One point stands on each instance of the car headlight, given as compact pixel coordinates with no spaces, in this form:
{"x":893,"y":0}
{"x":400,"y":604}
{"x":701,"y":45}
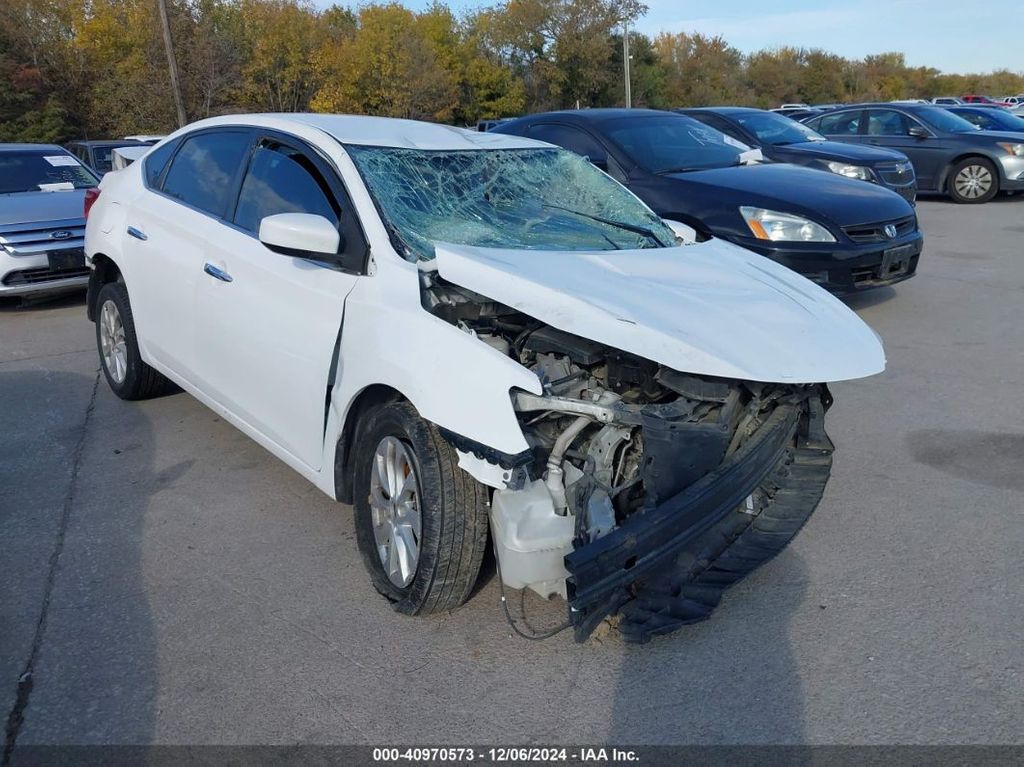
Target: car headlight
{"x":850,"y":171}
{"x":783,"y":227}
{"x":1014,"y":149}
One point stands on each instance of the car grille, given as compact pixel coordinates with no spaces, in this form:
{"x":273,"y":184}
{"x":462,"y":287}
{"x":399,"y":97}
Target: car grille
{"x":876,"y":232}
{"x":898,"y":174}
{"x":34,"y":239}
{"x":41,"y":274}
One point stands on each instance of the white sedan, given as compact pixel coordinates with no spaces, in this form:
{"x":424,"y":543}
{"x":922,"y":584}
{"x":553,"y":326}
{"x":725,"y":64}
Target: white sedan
{"x":461,"y":332}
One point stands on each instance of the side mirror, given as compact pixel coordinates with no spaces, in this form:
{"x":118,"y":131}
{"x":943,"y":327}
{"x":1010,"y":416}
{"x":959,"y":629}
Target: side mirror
{"x":918,"y":131}
{"x":300,"y":234}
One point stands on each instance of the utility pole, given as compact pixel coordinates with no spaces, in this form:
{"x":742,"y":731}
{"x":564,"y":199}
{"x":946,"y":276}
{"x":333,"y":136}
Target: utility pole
{"x":625,"y":61}
{"x":172,"y":64}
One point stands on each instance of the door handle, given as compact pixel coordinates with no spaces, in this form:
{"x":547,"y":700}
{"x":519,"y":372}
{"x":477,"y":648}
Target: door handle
{"x":138,"y":234}
{"x":219,"y":274}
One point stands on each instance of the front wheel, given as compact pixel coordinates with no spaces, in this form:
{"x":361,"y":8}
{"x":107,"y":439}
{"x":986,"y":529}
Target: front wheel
{"x":973,"y":180}
{"x":421,"y":521}
{"x":126,"y":372}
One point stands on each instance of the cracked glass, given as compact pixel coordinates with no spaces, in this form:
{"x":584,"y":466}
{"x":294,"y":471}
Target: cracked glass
{"x":525,"y":199}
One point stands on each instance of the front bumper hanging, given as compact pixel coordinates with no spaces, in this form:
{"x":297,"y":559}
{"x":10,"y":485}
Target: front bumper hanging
{"x":601,"y":572}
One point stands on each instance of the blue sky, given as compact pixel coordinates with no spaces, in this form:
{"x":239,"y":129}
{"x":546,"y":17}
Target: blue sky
{"x":950,"y":35}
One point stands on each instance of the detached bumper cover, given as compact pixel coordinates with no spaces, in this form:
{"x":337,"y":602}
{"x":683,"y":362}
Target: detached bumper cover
{"x":601,"y":572}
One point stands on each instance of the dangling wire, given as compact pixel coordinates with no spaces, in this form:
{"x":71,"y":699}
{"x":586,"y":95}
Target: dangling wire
{"x":545,"y":634}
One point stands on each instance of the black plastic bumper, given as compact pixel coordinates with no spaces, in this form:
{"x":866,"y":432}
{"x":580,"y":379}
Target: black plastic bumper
{"x":845,"y":268}
{"x":601,"y":572}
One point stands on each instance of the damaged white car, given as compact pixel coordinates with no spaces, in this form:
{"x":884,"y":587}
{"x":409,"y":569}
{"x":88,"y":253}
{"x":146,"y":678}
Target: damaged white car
{"x":460,"y":332}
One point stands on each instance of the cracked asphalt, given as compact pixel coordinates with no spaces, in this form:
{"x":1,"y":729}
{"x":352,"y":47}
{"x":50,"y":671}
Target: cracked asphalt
{"x":165,"y":580}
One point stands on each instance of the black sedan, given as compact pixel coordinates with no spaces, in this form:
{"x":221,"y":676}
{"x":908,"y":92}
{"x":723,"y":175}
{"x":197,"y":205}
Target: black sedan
{"x":949,"y":154}
{"x":784,"y":140}
{"x":843,"y":234}
{"x":989,"y":118}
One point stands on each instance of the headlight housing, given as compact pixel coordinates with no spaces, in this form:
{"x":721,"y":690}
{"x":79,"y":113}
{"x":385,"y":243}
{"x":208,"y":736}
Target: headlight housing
{"x":1015,"y":149}
{"x":850,"y":171}
{"x":783,"y":227}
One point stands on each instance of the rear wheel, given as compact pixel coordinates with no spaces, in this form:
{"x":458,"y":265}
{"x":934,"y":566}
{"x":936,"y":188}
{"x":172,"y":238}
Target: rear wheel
{"x":973,"y":180}
{"x":421,"y":521}
{"x":126,"y":373}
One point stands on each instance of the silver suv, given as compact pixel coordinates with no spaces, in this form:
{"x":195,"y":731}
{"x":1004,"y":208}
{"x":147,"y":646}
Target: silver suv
{"x":42,"y":225}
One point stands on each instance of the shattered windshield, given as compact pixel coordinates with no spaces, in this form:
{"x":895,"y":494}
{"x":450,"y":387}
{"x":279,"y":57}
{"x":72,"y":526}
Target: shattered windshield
{"x":526,"y":199}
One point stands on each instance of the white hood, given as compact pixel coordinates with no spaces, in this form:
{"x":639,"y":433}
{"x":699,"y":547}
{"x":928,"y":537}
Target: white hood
{"x":712,"y":309}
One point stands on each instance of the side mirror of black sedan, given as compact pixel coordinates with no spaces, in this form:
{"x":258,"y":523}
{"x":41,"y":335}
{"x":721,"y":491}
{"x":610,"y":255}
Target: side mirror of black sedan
{"x":918,"y":131}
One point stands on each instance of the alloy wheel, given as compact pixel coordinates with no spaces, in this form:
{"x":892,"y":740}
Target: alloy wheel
{"x":112,"y":344}
{"x":395,"y":510}
{"x":973,"y":181}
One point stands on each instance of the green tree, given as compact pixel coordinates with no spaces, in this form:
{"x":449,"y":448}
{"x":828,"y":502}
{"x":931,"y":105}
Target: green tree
{"x":700,"y":70}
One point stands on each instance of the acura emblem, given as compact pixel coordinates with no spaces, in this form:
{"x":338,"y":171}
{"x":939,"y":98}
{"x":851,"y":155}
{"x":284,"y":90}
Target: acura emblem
{"x":890,"y":231}
{"x":60,"y":234}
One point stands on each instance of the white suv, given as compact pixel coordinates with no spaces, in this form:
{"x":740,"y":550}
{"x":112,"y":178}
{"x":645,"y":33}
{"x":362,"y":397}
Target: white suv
{"x":456,"y":331}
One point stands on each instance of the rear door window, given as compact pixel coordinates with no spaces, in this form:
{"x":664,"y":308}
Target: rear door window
{"x":839,"y":124}
{"x":887,"y":122}
{"x":281,"y":179}
{"x":204,"y":171}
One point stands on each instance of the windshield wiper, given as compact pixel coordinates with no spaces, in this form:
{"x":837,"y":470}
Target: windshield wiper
{"x":681,"y":169}
{"x":636,"y":229}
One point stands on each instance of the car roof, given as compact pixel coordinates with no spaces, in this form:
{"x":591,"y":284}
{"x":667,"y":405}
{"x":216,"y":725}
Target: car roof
{"x":376,"y":131}
{"x":599,"y":115}
{"x":105,"y":142}
{"x":725,"y":110}
{"x":30,"y":147}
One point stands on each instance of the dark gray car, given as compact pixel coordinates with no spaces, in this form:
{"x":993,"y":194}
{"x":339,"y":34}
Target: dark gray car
{"x":949,"y":154}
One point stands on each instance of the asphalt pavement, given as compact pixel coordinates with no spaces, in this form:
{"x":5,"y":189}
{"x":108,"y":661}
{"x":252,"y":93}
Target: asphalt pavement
{"x":163,"y":579}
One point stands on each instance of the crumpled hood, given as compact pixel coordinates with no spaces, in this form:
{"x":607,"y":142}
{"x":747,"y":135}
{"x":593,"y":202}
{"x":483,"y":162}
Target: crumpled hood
{"x":711,"y":309}
{"x":32,"y":207}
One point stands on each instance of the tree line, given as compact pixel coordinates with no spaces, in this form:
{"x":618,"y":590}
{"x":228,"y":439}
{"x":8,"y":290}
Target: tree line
{"x":98,"y":68}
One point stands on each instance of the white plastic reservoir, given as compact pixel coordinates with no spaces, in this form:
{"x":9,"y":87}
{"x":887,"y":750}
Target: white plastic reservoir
{"x":531,"y":539}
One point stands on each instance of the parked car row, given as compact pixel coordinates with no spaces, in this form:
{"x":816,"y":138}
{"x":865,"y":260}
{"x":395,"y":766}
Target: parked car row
{"x":950,"y":154}
{"x":836,"y":231}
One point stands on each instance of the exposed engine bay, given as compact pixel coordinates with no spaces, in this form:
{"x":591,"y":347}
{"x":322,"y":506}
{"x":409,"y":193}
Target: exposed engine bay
{"x":613,"y":439}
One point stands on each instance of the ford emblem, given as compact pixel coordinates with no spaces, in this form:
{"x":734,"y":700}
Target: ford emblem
{"x":60,"y":234}
{"x":890,"y":231}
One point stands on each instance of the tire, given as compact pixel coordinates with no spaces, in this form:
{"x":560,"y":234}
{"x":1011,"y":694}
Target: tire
{"x":743,"y":541}
{"x":452,"y":509}
{"x":128,"y":376}
{"x":973,"y":180}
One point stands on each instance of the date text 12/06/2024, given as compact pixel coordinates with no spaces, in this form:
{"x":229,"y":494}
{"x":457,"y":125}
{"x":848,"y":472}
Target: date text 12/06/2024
{"x":507,"y":754}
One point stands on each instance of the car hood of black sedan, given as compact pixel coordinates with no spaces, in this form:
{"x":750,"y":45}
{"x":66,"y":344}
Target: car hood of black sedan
{"x":836,"y":150}
{"x":821,"y":196}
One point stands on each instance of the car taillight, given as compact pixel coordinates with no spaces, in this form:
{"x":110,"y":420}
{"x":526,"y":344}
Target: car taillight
{"x":91,"y":195}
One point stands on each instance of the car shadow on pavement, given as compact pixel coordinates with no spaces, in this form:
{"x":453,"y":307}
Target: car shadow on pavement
{"x":63,"y":300}
{"x":869,"y":298}
{"x":77,"y":615}
{"x":730,"y":680}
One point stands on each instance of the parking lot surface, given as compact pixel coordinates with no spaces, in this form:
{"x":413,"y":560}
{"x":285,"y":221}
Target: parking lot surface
{"x":166,"y":580}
